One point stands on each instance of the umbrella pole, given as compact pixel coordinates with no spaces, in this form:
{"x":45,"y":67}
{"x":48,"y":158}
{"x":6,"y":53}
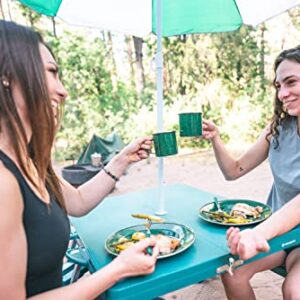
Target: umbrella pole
{"x":160,"y":104}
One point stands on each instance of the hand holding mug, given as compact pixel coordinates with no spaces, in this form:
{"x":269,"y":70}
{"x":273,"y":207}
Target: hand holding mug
{"x":209,"y":130}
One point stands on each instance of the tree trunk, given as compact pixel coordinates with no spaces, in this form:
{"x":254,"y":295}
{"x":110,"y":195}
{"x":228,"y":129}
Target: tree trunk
{"x":182,"y":86}
{"x":111,"y":53}
{"x":140,"y":74}
{"x":8,"y":9}
{"x":54,"y":26}
{"x":262,"y":61}
{"x":2,"y":10}
{"x":129,"y":52}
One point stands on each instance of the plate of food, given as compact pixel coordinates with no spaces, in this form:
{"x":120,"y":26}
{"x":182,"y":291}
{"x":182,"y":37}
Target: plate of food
{"x":172,"y":238}
{"x":235,"y":212}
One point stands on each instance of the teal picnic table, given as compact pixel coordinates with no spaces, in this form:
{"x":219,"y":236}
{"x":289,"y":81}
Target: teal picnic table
{"x":203,"y":260}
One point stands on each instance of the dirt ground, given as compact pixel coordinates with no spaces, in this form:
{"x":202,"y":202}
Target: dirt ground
{"x":200,"y":170}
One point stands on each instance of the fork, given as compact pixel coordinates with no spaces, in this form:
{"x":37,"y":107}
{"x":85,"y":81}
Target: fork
{"x":217,"y":204}
{"x":148,"y":234}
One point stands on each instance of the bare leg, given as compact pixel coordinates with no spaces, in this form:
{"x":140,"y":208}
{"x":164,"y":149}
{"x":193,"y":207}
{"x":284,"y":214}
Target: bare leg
{"x":238,"y":286}
{"x":290,"y":287}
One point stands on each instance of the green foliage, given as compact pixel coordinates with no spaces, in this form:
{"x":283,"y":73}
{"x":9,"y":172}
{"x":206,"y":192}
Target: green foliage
{"x":187,"y":65}
{"x":96,"y":103}
{"x":237,"y":56}
{"x":294,"y":15}
{"x":221,"y":74}
{"x":29,"y":14}
{"x":227,"y":76}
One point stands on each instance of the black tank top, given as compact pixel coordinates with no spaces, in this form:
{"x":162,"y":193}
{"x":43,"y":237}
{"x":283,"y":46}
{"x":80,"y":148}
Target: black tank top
{"x":47,"y":231}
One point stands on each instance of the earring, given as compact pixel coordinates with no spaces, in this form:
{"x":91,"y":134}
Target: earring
{"x":5,"y":83}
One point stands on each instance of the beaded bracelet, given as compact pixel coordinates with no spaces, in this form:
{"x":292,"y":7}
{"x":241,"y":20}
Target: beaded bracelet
{"x":115,"y":178}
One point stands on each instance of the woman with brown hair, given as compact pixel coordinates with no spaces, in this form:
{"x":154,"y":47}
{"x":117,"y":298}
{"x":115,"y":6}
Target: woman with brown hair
{"x":280,"y":143}
{"x":35,"y":201}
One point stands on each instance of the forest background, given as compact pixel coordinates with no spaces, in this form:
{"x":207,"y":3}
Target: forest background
{"x":111,"y":78}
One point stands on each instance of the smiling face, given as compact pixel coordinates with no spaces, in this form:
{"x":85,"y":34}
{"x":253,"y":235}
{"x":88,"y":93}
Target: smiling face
{"x":54,"y":88}
{"x":57,"y":92}
{"x":287,"y":83}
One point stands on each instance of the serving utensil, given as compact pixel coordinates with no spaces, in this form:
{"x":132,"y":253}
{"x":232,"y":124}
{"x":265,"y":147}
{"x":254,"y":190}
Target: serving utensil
{"x":149,"y":219}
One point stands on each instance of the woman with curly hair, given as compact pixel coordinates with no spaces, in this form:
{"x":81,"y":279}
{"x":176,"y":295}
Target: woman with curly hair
{"x":35,"y":201}
{"x":280,"y":143}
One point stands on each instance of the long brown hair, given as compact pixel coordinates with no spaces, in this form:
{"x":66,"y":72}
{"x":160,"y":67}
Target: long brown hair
{"x":280,"y":116}
{"x":21,"y":63}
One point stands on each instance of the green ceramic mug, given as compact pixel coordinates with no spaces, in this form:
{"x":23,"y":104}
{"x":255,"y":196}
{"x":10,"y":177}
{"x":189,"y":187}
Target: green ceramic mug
{"x":165,"y":143}
{"x":190,"y":124}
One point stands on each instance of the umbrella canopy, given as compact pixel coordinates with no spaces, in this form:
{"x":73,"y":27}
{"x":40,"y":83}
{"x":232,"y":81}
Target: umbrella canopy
{"x":138,"y":17}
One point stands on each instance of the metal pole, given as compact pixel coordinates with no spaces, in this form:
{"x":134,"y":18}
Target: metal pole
{"x":160,"y":104}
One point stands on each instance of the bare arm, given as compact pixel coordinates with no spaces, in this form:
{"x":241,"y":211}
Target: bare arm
{"x":131,"y":262}
{"x":283,"y":220}
{"x":83,"y":199}
{"x":234,"y":168}
{"x":13,"y":246}
{"x":250,"y":242}
{"x":13,"y":258}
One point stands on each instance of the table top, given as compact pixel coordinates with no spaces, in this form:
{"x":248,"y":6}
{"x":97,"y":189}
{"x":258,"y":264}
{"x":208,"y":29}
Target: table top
{"x":182,"y":204}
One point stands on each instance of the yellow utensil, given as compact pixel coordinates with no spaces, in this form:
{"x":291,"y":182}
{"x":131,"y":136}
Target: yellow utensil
{"x":149,"y":219}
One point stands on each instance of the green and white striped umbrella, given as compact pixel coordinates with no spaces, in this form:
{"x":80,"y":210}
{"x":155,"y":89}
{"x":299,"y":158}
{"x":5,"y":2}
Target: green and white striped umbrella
{"x":164,"y":18}
{"x":138,"y":17}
